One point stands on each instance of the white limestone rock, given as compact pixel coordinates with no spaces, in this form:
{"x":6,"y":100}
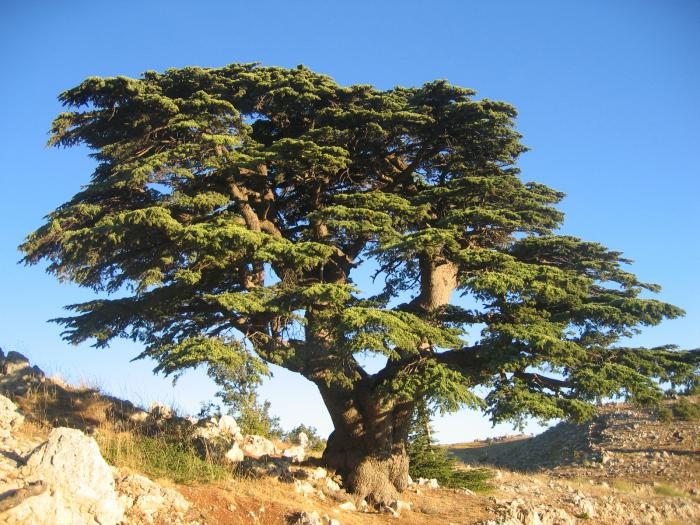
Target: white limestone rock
{"x":10,"y":418}
{"x":146,"y":500}
{"x":303,"y":440}
{"x":234,"y":454}
{"x":258,"y":446}
{"x":295,"y":453}
{"x":80,"y":484}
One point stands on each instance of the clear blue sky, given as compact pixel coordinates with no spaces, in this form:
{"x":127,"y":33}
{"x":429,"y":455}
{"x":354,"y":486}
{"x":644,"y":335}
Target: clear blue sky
{"x":607,"y":94}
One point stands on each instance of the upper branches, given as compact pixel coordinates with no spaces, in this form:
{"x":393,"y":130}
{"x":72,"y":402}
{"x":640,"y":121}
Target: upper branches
{"x":230,"y":207}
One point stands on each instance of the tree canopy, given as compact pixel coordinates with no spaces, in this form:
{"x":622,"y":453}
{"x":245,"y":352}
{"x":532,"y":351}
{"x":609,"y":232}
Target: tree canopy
{"x":231,"y":210}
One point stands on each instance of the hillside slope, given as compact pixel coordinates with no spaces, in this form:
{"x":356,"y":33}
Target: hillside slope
{"x":625,"y":467}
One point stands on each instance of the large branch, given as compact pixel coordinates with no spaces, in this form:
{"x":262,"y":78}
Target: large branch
{"x":467,"y":359}
{"x":543,"y":381}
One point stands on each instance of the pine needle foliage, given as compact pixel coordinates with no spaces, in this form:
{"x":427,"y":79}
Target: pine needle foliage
{"x":230,"y":209}
{"x":428,"y":460}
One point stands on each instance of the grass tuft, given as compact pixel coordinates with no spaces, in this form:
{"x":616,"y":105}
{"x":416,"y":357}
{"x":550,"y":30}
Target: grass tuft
{"x":160,"y":457}
{"x":622,"y":485}
{"x":664,"y":489}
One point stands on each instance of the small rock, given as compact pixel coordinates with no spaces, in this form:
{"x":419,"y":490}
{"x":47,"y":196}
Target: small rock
{"x":304,"y":487}
{"x":307,"y":518}
{"x":318,"y":473}
{"x":331,"y":485}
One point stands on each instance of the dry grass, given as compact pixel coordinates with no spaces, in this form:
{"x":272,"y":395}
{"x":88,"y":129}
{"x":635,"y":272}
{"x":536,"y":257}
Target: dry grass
{"x":664,"y":489}
{"x":160,"y":457}
{"x":163,"y":456}
{"x":623,"y":485}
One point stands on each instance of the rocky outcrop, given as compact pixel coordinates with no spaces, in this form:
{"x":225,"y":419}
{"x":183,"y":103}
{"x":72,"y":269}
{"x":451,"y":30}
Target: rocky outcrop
{"x":16,"y":373}
{"x":10,"y":418}
{"x":65,"y":480}
{"x":80,"y":483}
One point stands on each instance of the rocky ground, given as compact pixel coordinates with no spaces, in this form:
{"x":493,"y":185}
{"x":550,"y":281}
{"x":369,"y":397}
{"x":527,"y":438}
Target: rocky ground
{"x":625,"y":467}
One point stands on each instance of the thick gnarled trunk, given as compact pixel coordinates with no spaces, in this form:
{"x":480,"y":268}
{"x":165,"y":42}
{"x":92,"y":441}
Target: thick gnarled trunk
{"x":367,"y":447}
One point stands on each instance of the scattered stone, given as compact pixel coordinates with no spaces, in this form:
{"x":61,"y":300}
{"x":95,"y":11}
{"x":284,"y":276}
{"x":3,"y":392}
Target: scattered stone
{"x":146,"y":500}
{"x":318,"y":473}
{"x":400,"y":506}
{"x":428,"y":483}
{"x":304,"y":487}
{"x":307,"y":518}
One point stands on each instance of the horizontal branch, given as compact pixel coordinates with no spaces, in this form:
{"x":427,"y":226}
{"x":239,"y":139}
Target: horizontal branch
{"x":538,"y":379}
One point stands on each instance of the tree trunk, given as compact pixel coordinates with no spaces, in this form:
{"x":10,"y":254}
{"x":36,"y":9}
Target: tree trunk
{"x":367,"y":447}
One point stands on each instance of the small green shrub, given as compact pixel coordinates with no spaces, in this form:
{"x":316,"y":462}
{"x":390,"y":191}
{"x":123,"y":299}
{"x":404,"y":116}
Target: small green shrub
{"x":255,"y":418}
{"x":316,"y":442}
{"x":427,"y":460}
{"x":664,"y":414}
{"x":686,"y":411}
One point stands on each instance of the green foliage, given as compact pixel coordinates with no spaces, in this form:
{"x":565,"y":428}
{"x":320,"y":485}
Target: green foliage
{"x":316,"y":442}
{"x":255,"y":418}
{"x":664,"y":414}
{"x":685,"y":410}
{"x":231,"y":208}
{"x":427,"y":460}
{"x":160,"y":456}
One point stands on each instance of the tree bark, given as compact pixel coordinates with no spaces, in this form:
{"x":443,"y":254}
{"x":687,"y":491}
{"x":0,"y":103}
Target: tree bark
{"x":367,"y":447}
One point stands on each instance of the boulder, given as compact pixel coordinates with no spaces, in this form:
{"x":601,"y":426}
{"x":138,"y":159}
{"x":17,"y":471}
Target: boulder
{"x":15,"y":363}
{"x":79,"y":481}
{"x":17,"y":375}
{"x":295,"y":453}
{"x":234,"y":454}
{"x":214,"y":438}
{"x":303,"y":440}
{"x":10,"y":417}
{"x":227,"y":425}
{"x":159,"y":413}
{"x":258,"y":446}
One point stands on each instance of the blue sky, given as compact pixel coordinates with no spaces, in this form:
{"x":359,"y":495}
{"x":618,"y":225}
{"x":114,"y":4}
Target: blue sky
{"x":607,"y":94}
